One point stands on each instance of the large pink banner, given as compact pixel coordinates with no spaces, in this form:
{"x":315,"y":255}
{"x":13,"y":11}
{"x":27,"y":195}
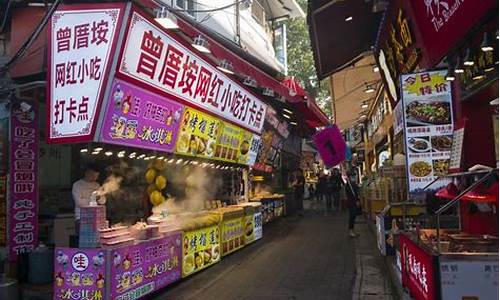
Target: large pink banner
{"x":23,"y":196}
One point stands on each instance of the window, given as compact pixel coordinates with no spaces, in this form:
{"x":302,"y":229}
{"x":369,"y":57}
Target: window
{"x":188,"y":5}
{"x":258,"y":12}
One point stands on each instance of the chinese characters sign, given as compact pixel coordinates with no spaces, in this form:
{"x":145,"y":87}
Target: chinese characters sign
{"x":397,"y":48}
{"x":476,"y":279}
{"x":198,"y":134}
{"x":428,"y":115}
{"x":330,"y":145}
{"x":418,"y":270}
{"x":81,"y":45}
{"x":200,"y":249}
{"x":158,"y":60}
{"x":443,"y":23}
{"x":79,"y":274}
{"x":141,"y":119}
{"x":146,"y":267}
{"x":4,"y":142}
{"x":232,"y":235}
{"x":23,"y":204}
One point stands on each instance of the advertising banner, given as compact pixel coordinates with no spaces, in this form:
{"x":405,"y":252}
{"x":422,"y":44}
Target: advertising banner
{"x":79,"y":274}
{"x":159,"y":60}
{"x":447,"y":21}
{"x":428,"y":115}
{"x":468,"y":279}
{"x":81,"y":45}
{"x":257,"y":225}
{"x":254,"y":149}
{"x":138,"y":118}
{"x":198,"y":134}
{"x":418,"y":270}
{"x":144,"y":268}
{"x":23,"y":195}
{"x":4,"y":163}
{"x":231,"y":235}
{"x":398,"y":119}
{"x":200,"y":249}
{"x":330,"y":145}
{"x":228,"y":146}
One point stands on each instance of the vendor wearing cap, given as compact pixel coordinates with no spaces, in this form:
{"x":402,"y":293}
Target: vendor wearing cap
{"x":83,"y":189}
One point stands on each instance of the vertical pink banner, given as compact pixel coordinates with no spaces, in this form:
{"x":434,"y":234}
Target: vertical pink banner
{"x":23,"y":193}
{"x":331,"y":145}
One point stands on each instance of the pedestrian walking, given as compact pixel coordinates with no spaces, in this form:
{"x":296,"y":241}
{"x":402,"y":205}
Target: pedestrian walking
{"x":321,"y":188}
{"x":312,"y":191}
{"x":329,"y":194}
{"x":336,"y":183}
{"x":351,"y":189}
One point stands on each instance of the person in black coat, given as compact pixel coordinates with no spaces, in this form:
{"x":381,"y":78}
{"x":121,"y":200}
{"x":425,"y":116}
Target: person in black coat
{"x":351,"y":190}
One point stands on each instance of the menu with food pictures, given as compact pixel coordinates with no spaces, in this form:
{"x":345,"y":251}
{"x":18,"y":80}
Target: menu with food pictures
{"x":198,"y":134}
{"x":428,"y":121}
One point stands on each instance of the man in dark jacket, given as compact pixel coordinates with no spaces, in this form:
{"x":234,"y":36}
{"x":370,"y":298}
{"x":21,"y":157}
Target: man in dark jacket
{"x":335,"y":184}
{"x":351,"y":190}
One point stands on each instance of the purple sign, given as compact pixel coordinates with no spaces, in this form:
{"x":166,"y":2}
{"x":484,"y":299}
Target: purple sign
{"x":23,"y":203}
{"x":138,"y":118}
{"x":79,"y":274}
{"x":331,"y":146}
{"x":139,"y":270}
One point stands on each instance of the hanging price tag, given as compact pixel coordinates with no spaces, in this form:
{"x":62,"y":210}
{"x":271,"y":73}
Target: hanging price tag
{"x":331,"y":146}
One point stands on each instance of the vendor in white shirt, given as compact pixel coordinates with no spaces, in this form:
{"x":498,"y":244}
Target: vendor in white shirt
{"x":83,"y":189}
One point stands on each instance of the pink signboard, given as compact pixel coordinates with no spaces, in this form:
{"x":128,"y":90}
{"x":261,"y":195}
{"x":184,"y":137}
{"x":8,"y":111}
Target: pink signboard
{"x":23,"y":203}
{"x":139,"y":270}
{"x":331,"y":145}
{"x":81,"y":43}
{"x":79,"y":274}
{"x":138,"y":118}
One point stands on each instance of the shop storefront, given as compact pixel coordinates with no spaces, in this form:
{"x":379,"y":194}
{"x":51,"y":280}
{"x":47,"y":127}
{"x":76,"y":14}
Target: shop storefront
{"x":178,"y":144}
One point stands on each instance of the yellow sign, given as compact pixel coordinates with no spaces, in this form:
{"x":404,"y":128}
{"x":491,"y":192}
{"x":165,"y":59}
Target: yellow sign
{"x":200,"y":249}
{"x":198,"y":134}
{"x":248,"y":227}
{"x":232,"y":235}
{"x":229,"y":141}
{"x":245,"y":144}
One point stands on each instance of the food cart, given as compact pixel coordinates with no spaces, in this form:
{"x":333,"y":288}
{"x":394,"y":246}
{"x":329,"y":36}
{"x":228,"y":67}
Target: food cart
{"x":454,"y":262}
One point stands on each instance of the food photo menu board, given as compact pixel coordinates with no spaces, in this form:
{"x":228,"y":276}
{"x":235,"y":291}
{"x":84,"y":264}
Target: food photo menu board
{"x":428,"y":121}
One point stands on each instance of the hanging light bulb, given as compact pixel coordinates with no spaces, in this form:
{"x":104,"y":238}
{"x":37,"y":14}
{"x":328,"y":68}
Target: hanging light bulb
{"x":84,"y":150}
{"x":485,"y":44}
{"x":450,"y":76}
{"x":200,"y":44}
{"x":166,"y":19}
{"x":369,"y":89}
{"x":108,"y":153}
{"x":226,"y":66}
{"x":458,"y":67}
{"x":468,"y":60}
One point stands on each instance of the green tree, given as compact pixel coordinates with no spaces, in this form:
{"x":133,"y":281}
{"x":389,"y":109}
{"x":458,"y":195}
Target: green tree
{"x":301,"y":61}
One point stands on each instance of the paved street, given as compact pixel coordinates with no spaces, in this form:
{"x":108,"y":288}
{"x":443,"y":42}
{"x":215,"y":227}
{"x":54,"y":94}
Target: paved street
{"x":309,"y":257}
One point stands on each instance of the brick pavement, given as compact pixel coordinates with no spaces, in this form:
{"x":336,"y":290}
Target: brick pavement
{"x":309,"y":257}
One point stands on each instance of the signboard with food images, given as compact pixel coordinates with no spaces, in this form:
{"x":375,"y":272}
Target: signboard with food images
{"x":198,"y":134}
{"x":79,"y":274}
{"x":257,"y":226}
{"x":200,"y":249}
{"x":428,"y":115}
{"x":140,"y":119}
{"x":227,"y":148}
{"x":232,"y":235}
{"x":146,"y":267}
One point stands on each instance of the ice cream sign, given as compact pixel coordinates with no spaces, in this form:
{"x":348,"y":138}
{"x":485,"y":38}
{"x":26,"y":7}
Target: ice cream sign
{"x":138,"y":118}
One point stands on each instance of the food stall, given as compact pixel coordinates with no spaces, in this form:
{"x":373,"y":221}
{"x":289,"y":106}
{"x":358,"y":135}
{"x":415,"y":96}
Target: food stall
{"x":175,"y":167}
{"x":452,"y":262}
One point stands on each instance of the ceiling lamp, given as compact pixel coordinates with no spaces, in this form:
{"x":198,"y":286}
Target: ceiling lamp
{"x":250,"y":81}
{"x":458,"y":67}
{"x":200,"y":44}
{"x":287,"y":110}
{"x":486,"y":45}
{"x":375,"y":69}
{"x":287,"y":116}
{"x":480,"y":75}
{"x":450,"y":76}
{"x":468,"y":59}
{"x":166,"y":19}
{"x":293,"y":123}
{"x":226,"y":66}
{"x":268,"y":92}
{"x":364,"y":105}
{"x":369,"y":89}
{"x":348,"y":19}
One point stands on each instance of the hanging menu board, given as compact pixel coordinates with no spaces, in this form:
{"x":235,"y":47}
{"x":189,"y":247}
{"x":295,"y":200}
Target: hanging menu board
{"x":428,"y":121}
